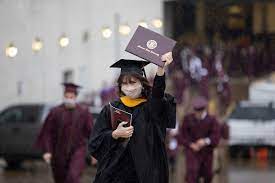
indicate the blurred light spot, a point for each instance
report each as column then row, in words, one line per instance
column 106, row 32
column 143, row 24
column 11, row 51
column 64, row 41
column 124, row 29
column 157, row 23
column 37, row 45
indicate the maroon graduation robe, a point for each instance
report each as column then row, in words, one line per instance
column 65, row 134
column 199, row 164
column 204, row 86
column 225, row 94
column 273, row 62
column 180, row 84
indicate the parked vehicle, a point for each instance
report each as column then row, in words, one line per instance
column 252, row 125
column 19, row 127
column 262, row 90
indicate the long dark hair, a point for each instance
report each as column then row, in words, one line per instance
column 146, row 87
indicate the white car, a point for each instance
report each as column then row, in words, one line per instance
column 252, row 124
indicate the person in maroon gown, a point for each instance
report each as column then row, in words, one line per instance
column 63, row 137
column 224, row 93
column 179, row 83
column 199, row 134
column 273, row 62
column 252, row 56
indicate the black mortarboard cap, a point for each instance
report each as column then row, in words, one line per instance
column 71, row 87
column 131, row 66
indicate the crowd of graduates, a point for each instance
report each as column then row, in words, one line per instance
column 206, row 70
column 200, row 67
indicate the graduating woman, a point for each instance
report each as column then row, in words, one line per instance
column 135, row 154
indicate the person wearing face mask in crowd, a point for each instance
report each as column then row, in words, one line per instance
column 143, row 159
column 63, row 137
column 199, row 134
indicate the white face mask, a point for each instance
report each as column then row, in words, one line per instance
column 132, row 90
column 69, row 103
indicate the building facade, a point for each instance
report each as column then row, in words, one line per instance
column 35, row 75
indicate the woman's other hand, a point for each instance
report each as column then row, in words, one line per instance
column 123, row 132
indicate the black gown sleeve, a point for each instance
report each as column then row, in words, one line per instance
column 163, row 105
column 159, row 86
column 101, row 140
column 157, row 103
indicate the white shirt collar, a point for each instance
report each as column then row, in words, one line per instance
column 204, row 114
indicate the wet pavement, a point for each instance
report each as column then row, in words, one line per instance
column 237, row 171
column 35, row 172
column 251, row 171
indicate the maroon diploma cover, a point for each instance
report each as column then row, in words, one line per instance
column 150, row 45
column 118, row 115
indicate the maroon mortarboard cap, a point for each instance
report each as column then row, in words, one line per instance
column 131, row 66
column 71, row 87
column 199, row 103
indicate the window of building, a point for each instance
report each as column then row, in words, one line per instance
column 68, row 76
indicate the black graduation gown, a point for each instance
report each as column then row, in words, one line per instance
column 146, row 146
